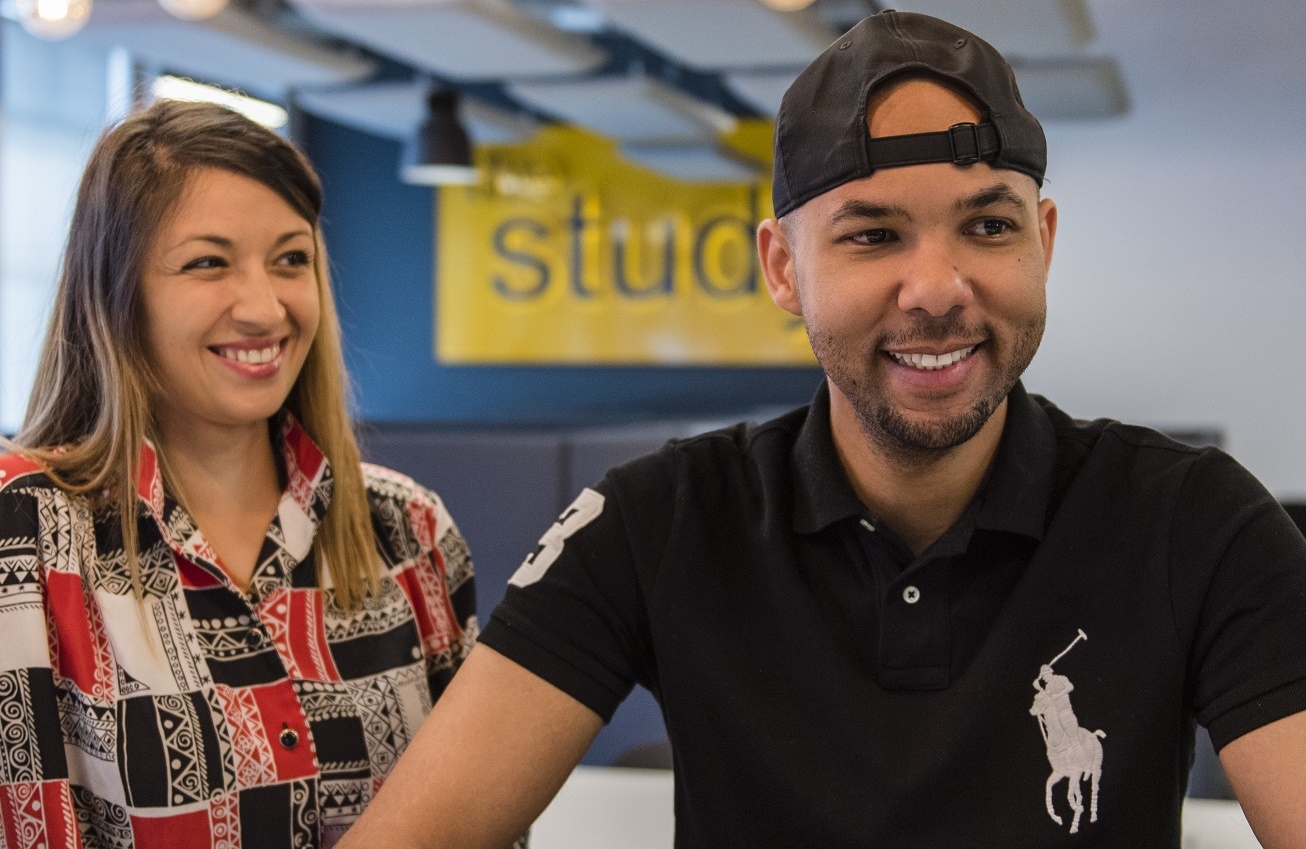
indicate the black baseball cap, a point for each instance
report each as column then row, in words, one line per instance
column 821, row 136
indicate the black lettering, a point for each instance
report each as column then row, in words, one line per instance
column 746, row 284
column 528, row 260
column 663, row 286
column 577, row 224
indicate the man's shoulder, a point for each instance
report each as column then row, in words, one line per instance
column 1090, row 434
column 1151, row 470
column 747, row 444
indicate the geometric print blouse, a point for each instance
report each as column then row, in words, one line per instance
column 201, row 715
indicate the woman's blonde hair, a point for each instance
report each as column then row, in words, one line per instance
column 89, row 411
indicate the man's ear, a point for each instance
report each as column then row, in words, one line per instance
column 1047, row 228
column 777, row 260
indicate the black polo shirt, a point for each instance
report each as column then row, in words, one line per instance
column 824, row 688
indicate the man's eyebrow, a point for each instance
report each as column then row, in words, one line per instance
column 999, row 194
column 862, row 210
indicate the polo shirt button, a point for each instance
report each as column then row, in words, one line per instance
column 911, row 595
column 289, row 737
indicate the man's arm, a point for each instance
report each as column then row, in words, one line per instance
column 1267, row 768
column 492, row 754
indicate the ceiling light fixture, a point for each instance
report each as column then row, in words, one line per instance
column 269, row 115
column 193, row 10
column 440, row 154
column 53, row 19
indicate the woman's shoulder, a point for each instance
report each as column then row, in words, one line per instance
column 20, row 471
column 31, row 499
column 397, row 496
column 387, row 484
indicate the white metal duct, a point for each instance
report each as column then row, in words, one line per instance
column 627, row 108
column 466, row 40
column 762, row 90
column 720, row 34
column 395, row 109
column 1072, row 89
column 1063, row 89
column 234, row 48
column 693, row 161
column 1017, row 28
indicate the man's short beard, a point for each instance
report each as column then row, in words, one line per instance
column 897, row 434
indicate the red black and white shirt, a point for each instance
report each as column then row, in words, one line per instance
column 204, row 716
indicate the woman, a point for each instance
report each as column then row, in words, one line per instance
column 217, row 627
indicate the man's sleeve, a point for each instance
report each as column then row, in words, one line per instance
column 575, row 611
column 1239, row 568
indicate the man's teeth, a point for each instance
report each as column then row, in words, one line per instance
column 254, row 356
column 932, row 362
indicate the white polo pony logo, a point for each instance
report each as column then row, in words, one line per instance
column 1075, row 753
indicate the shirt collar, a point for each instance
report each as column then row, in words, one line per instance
column 823, row 494
column 1020, row 482
column 1013, row 498
column 303, row 503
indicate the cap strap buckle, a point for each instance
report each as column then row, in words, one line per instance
column 964, row 139
column 960, row 144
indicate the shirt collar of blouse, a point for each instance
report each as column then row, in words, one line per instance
column 304, row 501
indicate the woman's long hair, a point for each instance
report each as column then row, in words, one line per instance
column 89, row 412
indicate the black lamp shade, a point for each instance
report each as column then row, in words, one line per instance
column 441, row 152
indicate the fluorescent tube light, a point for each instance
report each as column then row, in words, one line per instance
column 260, row 111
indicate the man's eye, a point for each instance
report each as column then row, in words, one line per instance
column 991, row 227
column 873, row 237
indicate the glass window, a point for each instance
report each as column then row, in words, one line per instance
column 52, row 108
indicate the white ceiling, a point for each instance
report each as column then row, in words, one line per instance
column 1203, row 62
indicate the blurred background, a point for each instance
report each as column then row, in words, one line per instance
column 539, row 216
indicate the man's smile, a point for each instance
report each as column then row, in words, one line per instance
column 931, row 362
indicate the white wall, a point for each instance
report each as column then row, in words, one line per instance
column 1178, row 288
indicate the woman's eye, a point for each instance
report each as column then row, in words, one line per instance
column 204, row 263
column 296, row 258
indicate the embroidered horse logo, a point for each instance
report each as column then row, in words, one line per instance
column 1075, row 753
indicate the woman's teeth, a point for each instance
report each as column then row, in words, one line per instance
column 254, row 356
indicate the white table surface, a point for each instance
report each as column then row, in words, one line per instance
column 617, row 808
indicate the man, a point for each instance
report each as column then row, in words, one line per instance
column 841, row 611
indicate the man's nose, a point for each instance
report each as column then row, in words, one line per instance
column 933, row 281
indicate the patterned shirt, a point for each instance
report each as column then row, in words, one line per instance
column 202, row 715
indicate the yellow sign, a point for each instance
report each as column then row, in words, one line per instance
column 565, row 253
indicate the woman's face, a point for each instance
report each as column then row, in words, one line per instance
column 231, row 304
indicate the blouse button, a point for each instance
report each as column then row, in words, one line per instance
column 255, row 638
column 289, row 737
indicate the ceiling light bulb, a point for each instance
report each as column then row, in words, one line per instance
column 193, row 10
column 787, row 5
column 53, row 19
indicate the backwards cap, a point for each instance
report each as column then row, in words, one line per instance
column 821, row 135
